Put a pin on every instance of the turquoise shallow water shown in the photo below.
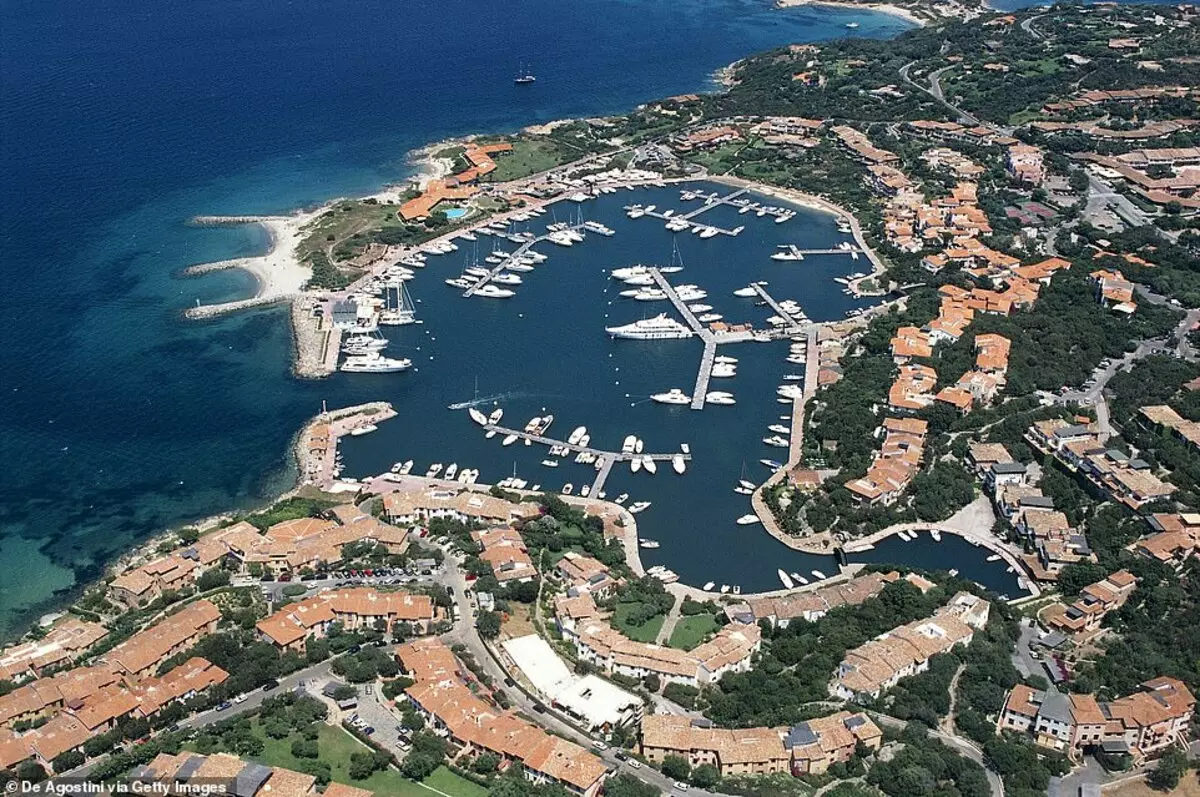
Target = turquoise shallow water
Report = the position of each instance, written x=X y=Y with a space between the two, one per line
x=121 y=120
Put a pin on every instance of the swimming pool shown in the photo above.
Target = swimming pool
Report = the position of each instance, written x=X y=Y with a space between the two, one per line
x=454 y=214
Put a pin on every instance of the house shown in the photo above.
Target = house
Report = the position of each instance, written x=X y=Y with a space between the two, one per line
x=138 y=656
x=585 y=574
x=1142 y=725
x=504 y=550
x=406 y=508
x=870 y=669
x=1176 y=538
x=1082 y=618
x=353 y=609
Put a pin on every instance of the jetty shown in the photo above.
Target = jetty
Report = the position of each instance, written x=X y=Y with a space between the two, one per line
x=792 y=328
x=522 y=249
x=215 y=221
x=606 y=459
x=704 y=333
x=708 y=205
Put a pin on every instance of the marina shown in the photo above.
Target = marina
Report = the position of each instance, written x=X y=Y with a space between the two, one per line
x=540 y=357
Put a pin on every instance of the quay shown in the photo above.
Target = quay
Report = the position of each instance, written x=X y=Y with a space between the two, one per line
x=522 y=249
x=215 y=221
x=833 y=251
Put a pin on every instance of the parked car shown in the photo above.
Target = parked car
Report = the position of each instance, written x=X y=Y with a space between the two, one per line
x=634 y=763
x=269 y=685
x=223 y=706
x=680 y=786
x=599 y=745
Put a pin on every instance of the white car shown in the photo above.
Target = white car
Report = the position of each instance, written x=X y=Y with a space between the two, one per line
x=680 y=786
x=240 y=699
x=634 y=763
x=599 y=745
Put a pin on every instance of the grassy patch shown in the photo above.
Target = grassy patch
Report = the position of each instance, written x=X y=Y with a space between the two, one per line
x=336 y=746
x=690 y=631
x=528 y=156
x=646 y=632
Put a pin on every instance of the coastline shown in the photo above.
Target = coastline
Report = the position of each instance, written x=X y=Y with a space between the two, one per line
x=883 y=8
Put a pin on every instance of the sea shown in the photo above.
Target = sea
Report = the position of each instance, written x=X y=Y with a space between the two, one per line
x=121 y=120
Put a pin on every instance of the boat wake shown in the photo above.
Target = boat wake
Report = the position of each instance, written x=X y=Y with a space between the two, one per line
x=475 y=402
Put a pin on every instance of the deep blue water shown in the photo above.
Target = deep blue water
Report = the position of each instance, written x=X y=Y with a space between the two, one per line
x=120 y=120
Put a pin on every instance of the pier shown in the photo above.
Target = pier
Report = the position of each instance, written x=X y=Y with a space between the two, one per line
x=691 y=214
x=705 y=334
x=712 y=203
x=606 y=459
x=792 y=327
x=522 y=249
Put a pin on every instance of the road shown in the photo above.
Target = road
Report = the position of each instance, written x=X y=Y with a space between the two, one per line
x=1027 y=26
x=1101 y=195
x=935 y=90
x=1092 y=394
x=963 y=746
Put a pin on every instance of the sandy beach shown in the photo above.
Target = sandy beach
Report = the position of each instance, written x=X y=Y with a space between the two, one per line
x=884 y=8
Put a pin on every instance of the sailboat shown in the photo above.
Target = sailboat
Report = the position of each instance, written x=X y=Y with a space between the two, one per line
x=524 y=76
x=405 y=313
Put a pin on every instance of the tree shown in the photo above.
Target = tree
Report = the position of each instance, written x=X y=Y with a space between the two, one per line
x=418 y=766
x=652 y=682
x=488 y=625
x=212 y=578
x=486 y=763
x=31 y=771
x=706 y=776
x=344 y=692
x=1165 y=775
x=67 y=761
x=626 y=785
x=676 y=767
x=305 y=748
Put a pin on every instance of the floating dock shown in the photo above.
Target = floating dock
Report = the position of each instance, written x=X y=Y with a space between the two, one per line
x=705 y=334
x=522 y=249
x=792 y=328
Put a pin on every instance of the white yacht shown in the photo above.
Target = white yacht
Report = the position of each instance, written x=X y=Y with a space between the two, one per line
x=638 y=444
x=478 y=416
x=746 y=293
x=575 y=436
x=508 y=440
x=723 y=370
x=504 y=278
x=550 y=463
x=649 y=544
x=568 y=488
x=660 y=327
x=779 y=428
x=451 y=470
x=674 y=396
x=709 y=318
x=789 y=252
x=677 y=462
x=638 y=506
x=361 y=430
x=628 y=271
x=700 y=308
x=496 y=415
x=375 y=364
x=649 y=295
x=627 y=446
x=622 y=498
x=635 y=464
x=649 y=464
x=777 y=441
x=494 y=292
x=786 y=579
x=719 y=397
x=725 y=358
x=746 y=520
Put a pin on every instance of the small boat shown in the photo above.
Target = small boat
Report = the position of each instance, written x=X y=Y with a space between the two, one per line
x=567 y=488
x=678 y=464
x=490 y=434
x=627 y=446
x=649 y=544
x=749 y=485
x=937 y=535
x=799 y=579
x=406 y=468
x=638 y=445
x=776 y=441
x=550 y=463
x=737 y=589
x=478 y=416
x=820 y=576
x=622 y=498
x=995 y=557
x=779 y=428
x=745 y=293
x=786 y=579
x=451 y=471
x=579 y=432
x=433 y=471
x=635 y=464
x=740 y=490
x=746 y=520
x=638 y=506
x=708 y=585
x=496 y=415
x=772 y=464
x=674 y=396
x=685 y=448
x=719 y=397
x=533 y=424
x=361 y=430
x=583 y=491
x=508 y=440
x=649 y=464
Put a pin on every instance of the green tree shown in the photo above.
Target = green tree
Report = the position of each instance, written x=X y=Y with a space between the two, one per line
x=1164 y=777
x=67 y=761
x=305 y=748
x=706 y=776
x=486 y=763
x=676 y=767
x=488 y=625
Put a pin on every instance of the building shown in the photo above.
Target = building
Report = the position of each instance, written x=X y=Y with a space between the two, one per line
x=814 y=605
x=1024 y=163
x=594 y=703
x=870 y=669
x=66 y=641
x=896 y=462
x=239 y=778
x=808 y=748
x=353 y=609
x=1082 y=618
x=1142 y=724
x=141 y=654
x=504 y=550
x=597 y=642
x=473 y=725
x=406 y=508
x=1176 y=538
x=584 y=574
